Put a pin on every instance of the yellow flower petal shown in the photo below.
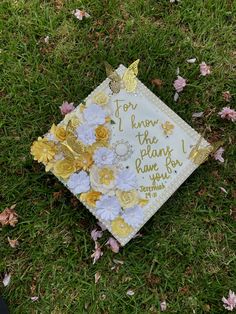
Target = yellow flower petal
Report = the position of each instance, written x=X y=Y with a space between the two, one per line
x=59 y=132
x=90 y=198
x=43 y=150
x=101 y=99
x=64 y=168
x=127 y=198
x=120 y=227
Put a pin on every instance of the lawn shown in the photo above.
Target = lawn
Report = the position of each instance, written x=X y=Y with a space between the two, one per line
x=186 y=254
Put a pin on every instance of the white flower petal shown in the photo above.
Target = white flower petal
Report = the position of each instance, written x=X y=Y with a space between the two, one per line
x=6 y=279
x=133 y=216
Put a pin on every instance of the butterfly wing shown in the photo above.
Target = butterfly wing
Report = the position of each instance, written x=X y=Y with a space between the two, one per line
x=72 y=143
x=115 y=83
x=129 y=77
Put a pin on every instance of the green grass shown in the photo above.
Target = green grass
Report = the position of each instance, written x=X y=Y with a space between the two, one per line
x=187 y=252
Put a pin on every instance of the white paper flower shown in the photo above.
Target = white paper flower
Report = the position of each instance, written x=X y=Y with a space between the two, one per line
x=79 y=182
x=103 y=179
x=133 y=216
x=108 y=207
x=86 y=134
x=94 y=115
x=103 y=156
x=126 y=180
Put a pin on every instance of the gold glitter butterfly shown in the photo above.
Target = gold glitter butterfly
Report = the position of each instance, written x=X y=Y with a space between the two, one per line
x=71 y=147
x=199 y=155
x=115 y=79
x=129 y=78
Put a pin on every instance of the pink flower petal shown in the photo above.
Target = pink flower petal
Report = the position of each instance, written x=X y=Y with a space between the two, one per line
x=102 y=226
x=230 y=302
x=228 y=113
x=95 y=234
x=113 y=245
x=179 y=84
x=163 y=306
x=97 y=253
x=205 y=69
x=66 y=107
x=34 y=299
x=218 y=154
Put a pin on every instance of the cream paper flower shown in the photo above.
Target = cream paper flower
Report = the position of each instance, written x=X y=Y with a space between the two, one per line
x=108 y=207
x=133 y=216
x=103 y=179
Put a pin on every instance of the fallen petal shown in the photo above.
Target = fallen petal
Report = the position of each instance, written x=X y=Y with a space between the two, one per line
x=197 y=114
x=193 y=60
x=176 y=96
x=13 y=243
x=6 y=280
x=95 y=234
x=34 y=299
x=163 y=306
x=223 y=190
x=113 y=245
x=130 y=292
x=97 y=277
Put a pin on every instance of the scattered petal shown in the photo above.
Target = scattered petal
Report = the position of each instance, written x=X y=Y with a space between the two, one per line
x=228 y=113
x=223 y=190
x=102 y=226
x=97 y=253
x=97 y=277
x=13 y=243
x=66 y=107
x=130 y=292
x=9 y=216
x=6 y=279
x=205 y=69
x=230 y=302
x=176 y=96
x=192 y=60
x=218 y=154
x=113 y=245
x=177 y=71
x=117 y=261
x=179 y=84
x=137 y=235
x=163 y=306
x=227 y=96
x=197 y=114
x=34 y=299
x=80 y=14
x=95 y=234
x=46 y=39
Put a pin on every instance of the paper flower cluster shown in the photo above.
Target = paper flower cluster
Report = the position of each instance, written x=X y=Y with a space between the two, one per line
x=78 y=151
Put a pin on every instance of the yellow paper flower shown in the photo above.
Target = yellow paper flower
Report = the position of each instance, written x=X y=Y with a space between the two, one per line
x=84 y=161
x=90 y=198
x=143 y=202
x=167 y=128
x=91 y=149
x=120 y=227
x=64 y=168
x=101 y=99
x=106 y=176
x=102 y=133
x=43 y=150
x=59 y=132
x=127 y=198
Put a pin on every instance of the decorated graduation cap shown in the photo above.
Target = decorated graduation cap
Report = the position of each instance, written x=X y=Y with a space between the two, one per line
x=122 y=152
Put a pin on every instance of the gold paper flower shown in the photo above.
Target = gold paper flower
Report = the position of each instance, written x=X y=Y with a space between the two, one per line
x=143 y=202
x=106 y=176
x=101 y=99
x=102 y=133
x=43 y=150
x=84 y=161
x=120 y=227
x=127 y=198
x=64 y=168
x=90 y=198
x=167 y=128
x=59 y=132
x=91 y=149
